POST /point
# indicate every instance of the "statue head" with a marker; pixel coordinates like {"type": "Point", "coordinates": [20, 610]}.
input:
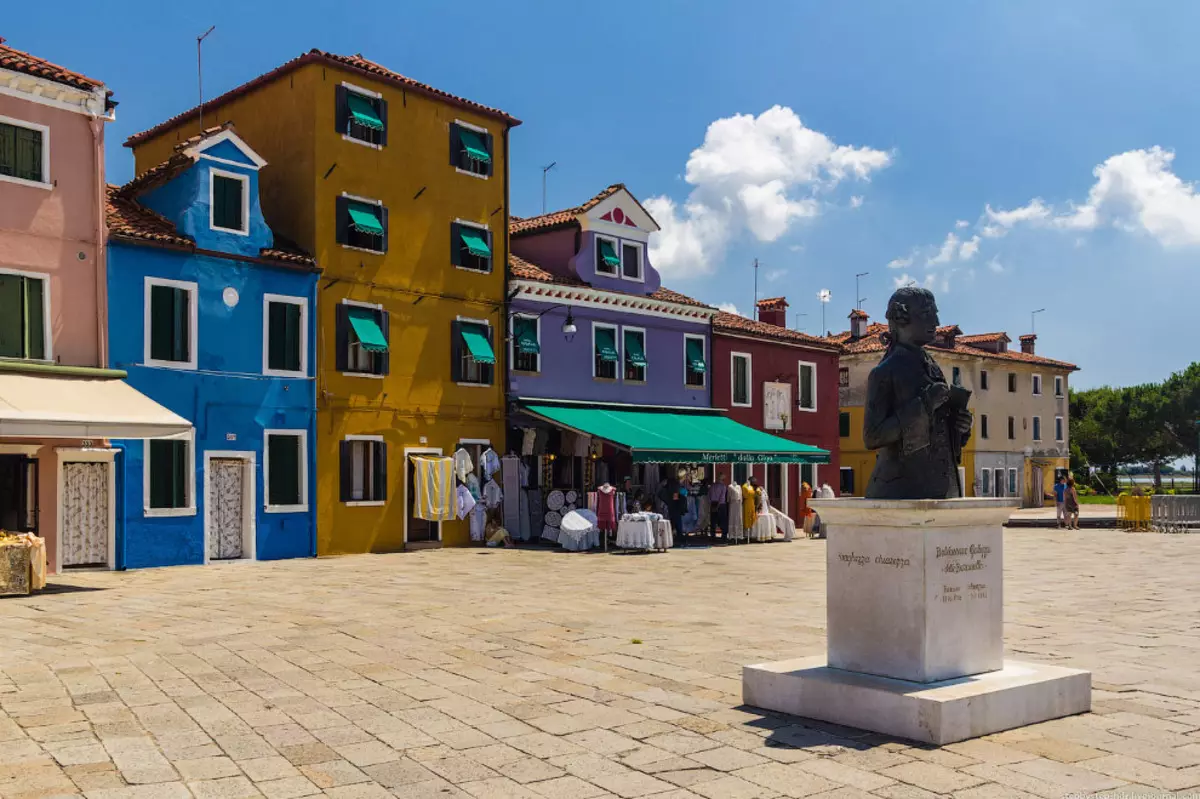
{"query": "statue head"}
{"type": "Point", "coordinates": [912, 316]}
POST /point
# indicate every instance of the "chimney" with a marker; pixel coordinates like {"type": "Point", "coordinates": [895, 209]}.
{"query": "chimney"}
{"type": "Point", "coordinates": [858, 323]}
{"type": "Point", "coordinates": [1029, 344]}
{"type": "Point", "coordinates": [773, 311]}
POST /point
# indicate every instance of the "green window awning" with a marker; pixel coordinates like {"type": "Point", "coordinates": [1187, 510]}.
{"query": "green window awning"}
{"type": "Point", "coordinates": [695, 355]}
{"type": "Point", "coordinates": [606, 344]}
{"type": "Point", "coordinates": [366, 327]}
{"type": "Point", "coordinates": [525, 336]}
{"type": "Point", "coordinates": [365, 218]}
{"type": "Point", "coordinates": [666, 436]}
{"type": "Point", "coordinates": [475, 337]}
{"type": "Point", "coordinates": [634, 352]}
{"type": "Point", "coordinates": [363, 111]}
{"type": "Point", "coordinates": [608, 252]}
{"type": "Point", "coordinates": [475, 241]}
{"type": "Point", "coordinates": [474, 145]}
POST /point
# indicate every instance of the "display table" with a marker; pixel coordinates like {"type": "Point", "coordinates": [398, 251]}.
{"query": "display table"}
{"type": "Point", "coordinates": [644, 531]}
{"type": "Point", "coordinates": [663, 538]}
{"type": "Point", "coordinates": [22, 564]}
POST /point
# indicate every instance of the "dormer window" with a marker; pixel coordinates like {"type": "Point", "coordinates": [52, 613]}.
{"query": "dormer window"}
{"type": "Point", "coordinates": [361, 115]}
{"type": "Point", "coordinates": [229, 209]}
{"type": "Point", "coordinates": [607, 261]}
{"type": "Point", "coordinates": [471, 149]}
{"type": "Point", "coordinates": [362, 224]}
{"type": "Point", "coordinates": [631, 261]}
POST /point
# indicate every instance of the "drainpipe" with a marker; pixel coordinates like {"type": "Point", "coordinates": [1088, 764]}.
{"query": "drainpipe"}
{"type": "Point", "coordinates": [119, 559]}
{"type": "Point", "coordinates": [96, 122]}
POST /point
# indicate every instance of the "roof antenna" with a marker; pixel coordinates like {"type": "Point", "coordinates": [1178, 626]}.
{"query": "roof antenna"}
{"type": "Point", "coordinates": [546, 169]}
{"type": "Point", "coordinates": [200, 75]}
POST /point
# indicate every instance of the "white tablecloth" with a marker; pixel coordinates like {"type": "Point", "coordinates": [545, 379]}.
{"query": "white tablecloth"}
{"type": "Point", "coordinates": [663, 538]}
{"type": "Point", "coordinates": [785, 525]}
{"type": "Point", "coordinates": [635, 534]}
{"type": "Point", "coordinates": [578, 531]}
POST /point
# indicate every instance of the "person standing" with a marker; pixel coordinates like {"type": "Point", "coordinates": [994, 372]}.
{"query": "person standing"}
{"type": "Point", "coordinates": [1072, 505]}
{"type": "Point", "coordinates": [806, 520]}
{"type": "Point", "coordinates": [749, 504]}
{"type": "Point", "coordinates": [1060, 501]}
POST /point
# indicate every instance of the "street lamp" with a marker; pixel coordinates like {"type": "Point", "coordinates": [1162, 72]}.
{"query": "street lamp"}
{"type": "Point", "coordinates": [568, 327]}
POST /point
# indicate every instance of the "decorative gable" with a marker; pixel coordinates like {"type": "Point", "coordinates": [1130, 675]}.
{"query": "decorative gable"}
{"type": "Point", "coordinates": [228, 148]}
{"type": "Point", "coordinates": [619, 214]}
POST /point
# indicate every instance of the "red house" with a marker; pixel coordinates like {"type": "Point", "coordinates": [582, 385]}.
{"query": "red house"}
{"type": "Point", "coordinates": [783, 382]}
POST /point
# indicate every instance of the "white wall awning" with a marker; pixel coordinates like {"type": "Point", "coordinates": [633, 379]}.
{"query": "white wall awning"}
{"type": "Point", "coordinates": [61, 406]}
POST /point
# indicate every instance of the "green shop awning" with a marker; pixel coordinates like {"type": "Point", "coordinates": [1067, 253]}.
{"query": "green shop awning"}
{"type": "Point", "coordinates": [695, 355]}
{"type": "Point", "coordinates": [365, 218]}
{"type": "Point", "coordinates": [525, 335]}
{"type": "Point", "coordinates": [475, 337]}
{"type": "Point", "coordinates": [363, 111]}
{"type": "Point", "coordinates": [474, 145]}
{"type": "Point", "coordinates": [606, 344]}
{"type": "Point", "coordinates": [609, 253]}
{"type": "Point", "coordinates": [366, 327]}
{"type": "Point", "coordinates": [475, 241]}
{"type": "Point", "coordinates": [663, 436]}
{"type": "Point", "coordinates": [634, 353]}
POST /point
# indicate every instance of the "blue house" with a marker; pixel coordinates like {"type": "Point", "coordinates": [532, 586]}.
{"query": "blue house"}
{"type": "Point", "coordinates": [213, 317]}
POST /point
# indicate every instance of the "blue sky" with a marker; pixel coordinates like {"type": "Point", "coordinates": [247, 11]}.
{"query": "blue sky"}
{"type": "Point", "coordinates": [896, 129]}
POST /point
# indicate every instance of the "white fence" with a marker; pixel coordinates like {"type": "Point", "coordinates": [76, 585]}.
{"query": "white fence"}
{"type": "Point", "coordinates": [1175, 514]}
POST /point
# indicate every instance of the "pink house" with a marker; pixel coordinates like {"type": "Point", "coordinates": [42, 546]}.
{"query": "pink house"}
{"type": "Point", "coordinates": [58, 404]}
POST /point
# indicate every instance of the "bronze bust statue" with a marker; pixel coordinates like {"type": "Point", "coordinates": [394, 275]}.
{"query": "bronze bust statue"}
{"type": "Point", "coordinates": [917, 423]}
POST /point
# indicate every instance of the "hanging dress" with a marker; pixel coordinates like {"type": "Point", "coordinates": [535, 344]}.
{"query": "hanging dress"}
{"type": "Point", "coordinates": [733, 496]}
{"type": "Point", "coordinates": [749, 506]}
{"type": "Point", "coordinates": [606, 507]}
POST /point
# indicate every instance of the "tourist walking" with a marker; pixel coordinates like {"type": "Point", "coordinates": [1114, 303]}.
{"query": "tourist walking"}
{"type": "Point", "coordinates": [1072, 505]}
{"type": "Point", "coordinates": [1060, 500]}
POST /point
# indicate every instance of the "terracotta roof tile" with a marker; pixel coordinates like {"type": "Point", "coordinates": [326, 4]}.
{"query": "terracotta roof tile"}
{"type": "Point", "coordinates": [555, 219]}
{"type": "Point", "coordinates": [872, 343]}
{"type": "Point", "coordinates": [773, 303]}
{"type": "Point", "coordinates": [858, 313]}
{"type": "Point", "coordinates": [355, 62]}
{"type": "Point", "coordinates": [520, 269]}
{"type": "Point", "coordinates": [20, 61]}
{"type": "Point", "coordinates": [984, 338]}
{"type": "Point", "coordinates": [1029, 337]}
{"type": "Point", "coordinates": [732, 323]}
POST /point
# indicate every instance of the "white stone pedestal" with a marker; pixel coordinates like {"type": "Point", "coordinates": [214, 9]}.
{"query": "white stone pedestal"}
{"type": "Point", "coordinates": [915, 627]}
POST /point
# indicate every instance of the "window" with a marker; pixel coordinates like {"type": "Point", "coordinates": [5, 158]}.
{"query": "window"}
{"type": "Point", "coordinates": [1037, 385]}
{"type": "Point", "coordinates": [170, 323]}
{"type": "Point", "coordinates": [1012, 428]}
{"type": "Point", "coordinates": [361, 224]}
{"type": "Point", "coordinates": [24, 152]}
{"type": "Point", "coordinates": [604, 351]}
{"type": "Point", "coordinates": [635, 354]}
{"type": "Point", "coordinates": [983, 426]}
{"type": "Point", "coordinates": [170, 477]}
{"type": "Point", "coordinates": [470, 149]}
{"type": "Point", "coordinates": [983, 380]}
{"type": "Point", "coordinates": [363, 334]}
{"type": "Point", "coordinates": [1059, 432]}
{"type": "Point", "coordinates": [631, 261]}
{"type": "Point", "coordinates": [695, 369]}
{"type": "Point", "coordinates": [1012, 382]}
{"type": "Point", "coordinates": [470, 247]}
{"type": "Point", "coordinates": [1037, 428]}
{"type": "Point", "coordinates": [526, 346]}
{"type": "Point", "coordinates": [24, 317]}
{"type": "Point", "coordinates": [998, 482]}
{"type": "Point", "coordinates": [285, 335]}
{"type": "Point", "coordinates": [956, 376]}
{"type": "Point", "coordinates": [741, 473]}
{"type": "Point", "coordinates": [361, 115]}
{"type": "Point", "coordinates": [808, 386]}
{"type": "Point", "coordinates": [741, 380]}
{"type": "Point", "coordinates": [1058, 386]}
{"type": "Point", "coordinates": [363, 465]}
{"type": "Point", "coordinates": [985, 482]}
{"type": "Point", "coordinates": [228, 207]}
{"type": "Point", "coordinates": [606, 256]}
{"type": "Point", "coordinates": [1012, 482]}
{"type": "Point", "coordinates": [285, 470]}
{"type": "Point", "coordinates": [846, 481]}
{"type": "Point", "coordinates": [473, 361]}
{"type": "Point", "coordinates": [844, 377]}
{"type": "Point", "coordinates": [843, 425]}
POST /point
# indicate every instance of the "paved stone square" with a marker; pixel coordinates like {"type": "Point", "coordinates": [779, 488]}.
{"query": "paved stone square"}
{"type": "Point", "coordinates": [545, 675]}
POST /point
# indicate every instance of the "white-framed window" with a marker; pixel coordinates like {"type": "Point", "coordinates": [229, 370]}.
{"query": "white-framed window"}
{"type": "Point", "coordinates": [228, 201]}
{"type": "Point", "coordinates": [25, 153]}
{"type": "Point", "coordinates": [363, 338]}
{"type": "Point", "coordinates": [1037, 428]}
{"type": "Point", "coordinates": [285, 471]}
{"type": "Point", "coordinates": [170, 322]}
{"type": "Point", "coordinates": [740, 372]}
{"type": "Point", "coordinates": [1037, 385]}
{"type": "Point", "coordinates": [633, 345]}
{"type": "Point", "coordinates": [524, 347]}
{"type": "Point", "coordinates": [608, 256]}
{"type": "Point", "coordinates": [361, 223]}
{"type": "Point", "coordinates": [1060, 433]}
{"type": "Point", "coordinates": [285, 335]}
{"type": "Point", "coordinates": [1058, 386]}
{"type": "Point", "coordinates": [169, 476]}
{"type": "Point", "coordinates": [606, 351]}
{"type": "Point", "coordinates": [470, 246]}
{"type": "Point", "coordinates": [25, 330]}
{"type": "Point", "coordinates": [361, 115]}
{"type": "Point", "coordinates": [473, 351]}
{"type": "Point", "coordinates": [471, 150]}
{"type": "Point", "coordinates": [632, 260]}
{"type": "Point", "coordinates": [1012, 482]}
{"type": "Point", "coordinates": [695, 361]}
{"type": "Point", "coordinates": [806, 396]}
{"type": "Point", "coordinates": [363, 468]}
{"type": "Point", "coordinates": [985, 482]}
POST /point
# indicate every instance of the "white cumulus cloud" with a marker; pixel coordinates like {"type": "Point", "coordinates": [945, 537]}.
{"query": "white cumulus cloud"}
{"type": "Point", "coordinates": [856, 201]}
{"type": "Point", "coordinates": [969, 249]}
{"type": "Point", "coordinates": [906, 279]}
{"type": "Point", "coordinates": [729, 307]}
{"type": "Point", "coordinates": [900, 263]}
{"type": "Point", "coordinates": [946, 252]}
{"type": "Point", "coordinates": [962, 223]}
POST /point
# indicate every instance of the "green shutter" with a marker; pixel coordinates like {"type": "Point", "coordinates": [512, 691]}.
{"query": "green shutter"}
{"type": "Point", "coordinates": [606, 344]}
{"type": "Point", "coordinates": [227, 202]}
{"type": "Point", "coordinates": [365, 324]}
{"type": "Point", "coordinates": [609, 253]}
{"type": "Point", "coordinates": [162, 326]}
{"type": "Point", "coordinates": [283, 457]}
{"type": "Point", "coordinates": [179, 468]}
{"type": "Point", "coordinates": [180, 333]}
{"type": "Point", "coordinates": [35, 319]}
{"type": "Point", "coordinates": [8, 149]}
{"type": "Point", "coordinates": [475, 241]}
{"type": "Point", "coordinates": [365, 218]}
{"type": "Point", "coordinates": [695, 355]}
{"type": "Point", "coordinates": [474, 146]}
{"type": "Point", "coordinates": [29, 155]}
{"type": "Point", "coordinates": [525, 333]}
{"type": "Point", "coordinates": [634, 353]}
{"type": "Point", "coordinates": [168, 473]}
{"type": "Point", "coordinates": [291, 336]}
{"type": "Point", "coordinates": [11, 328]}
{"type": "Point", "coordinates": [283, 337]}
{"type": "Point", "coordinates": [806, 387]}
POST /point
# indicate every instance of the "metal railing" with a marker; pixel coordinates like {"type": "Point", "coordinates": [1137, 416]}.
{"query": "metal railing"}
{"type": "Point", "coordinates": [1133, 513]}
{"type": "Point", "coordinates": [1174, 514]}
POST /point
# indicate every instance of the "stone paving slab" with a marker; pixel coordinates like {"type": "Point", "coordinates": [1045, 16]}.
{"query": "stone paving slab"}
{"type": "Point", "coordinates": [536, 674]}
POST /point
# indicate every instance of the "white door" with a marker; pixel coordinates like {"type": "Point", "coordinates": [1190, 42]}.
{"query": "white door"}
{"type": "Point", "coordinates": [226, 499]}
{"type": "Point", "coordinates": [83, 529]}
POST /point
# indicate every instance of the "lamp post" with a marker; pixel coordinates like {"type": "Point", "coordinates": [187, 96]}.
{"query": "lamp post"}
{"type": "Point", "coordinates": [546, 169]}
{"type": "Point", "coordinates": [858, 299]}
{"type": "Point", "coordinates": [1033, 320]}
{"type": "Point", "coordinates": [568, 327]}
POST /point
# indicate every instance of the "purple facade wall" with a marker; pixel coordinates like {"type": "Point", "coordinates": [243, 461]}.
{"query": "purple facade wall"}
{"type": "Point", "coordinates": [583, 266]}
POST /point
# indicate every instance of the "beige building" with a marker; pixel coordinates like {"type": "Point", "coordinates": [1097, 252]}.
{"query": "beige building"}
{"type": "Point", "coordinates": [1021, 437]}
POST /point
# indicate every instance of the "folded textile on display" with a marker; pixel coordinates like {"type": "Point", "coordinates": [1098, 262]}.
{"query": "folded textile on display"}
{"type": "Point", "coordinates": [575, 532]}
{"type": "Point", "coordinates": [570, 497]}
{"type": "Point", "coordinates": [553, 518]}
{"type": "Point", "coordinates": [550, 533]}
{"type": "Point", "coordinates": [435, 498]}
{"type": "Point", "coordinates": [784, 524]}
{"type": "Point", "coordinates": [555, 499]}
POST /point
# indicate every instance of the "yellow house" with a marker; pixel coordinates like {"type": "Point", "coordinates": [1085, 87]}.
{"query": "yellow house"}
{"type": "Point", "coordinates": [1019, 398]}
{"type": "Point", "coordinates": [400, 190]}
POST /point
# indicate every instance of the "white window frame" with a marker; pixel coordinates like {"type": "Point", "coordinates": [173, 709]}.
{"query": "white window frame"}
{"type": "Point", "coordinates": [286, 299]}
{"type": "Point", "coordinates": [161, 513]}
{"type": "Point", "coordinates": [193, 322]}
{"type": "Point", "coordinates": [364, 503]}
{"type": "Point", "coordinates": [301, 434]}
{"type": "Point", "coordinates": [491, 261]}
{"type": "Point", "coordinates": [645, 369]}
{"type": "Point", "coordinates": [1060, 429]}
{"type": "Point", "coordinates": [47, 327]}
{"type": "Point", "coordinates": [1059, 389]}
{"type": "Point", "coordinates": [799, 392]}
{"type": "Point", "coordinates": [703, 351]}
{"type": "Point", "coordinates": [512, 342]}
{"type": "Point", "coordinates": [620, 371]}
{"type": "Point", "coordinates": [374, 306]}
{"type": "Point", "coordinates": [596, 256]}
{"type": "Point", "coordinates": [733, 357]}
{"type": "Point", "coordinates": [1037, 428]}
{"type": "Point", "coordinates": [1012, 483]}
{"type": "Point", "coordinates": [1037, 385]}
{"type": "Point", "coordinates": [48, 182]}
{"type": "Point", "coordinates": [495, 366]}
{"type": "Point", "coordinates": [641, 248]}
{"type": "Point", "coordinates": [350, 87]}
{"type": "Point", "coordinates": [464, 124]}
{"type": "Point", "coordinates": [213, 174]}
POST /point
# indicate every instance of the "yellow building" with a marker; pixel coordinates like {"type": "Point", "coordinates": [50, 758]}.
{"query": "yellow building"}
{"type": "Point", "coordinates": [400, 190]}
{"type": "Point", "coordinates": [1019, 398]}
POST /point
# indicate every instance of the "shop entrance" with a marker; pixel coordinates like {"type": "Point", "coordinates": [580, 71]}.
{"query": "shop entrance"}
{"type": "Point", "coordinates": [420, 531]}
{"type": "Point", "coordinates": [18, 493]}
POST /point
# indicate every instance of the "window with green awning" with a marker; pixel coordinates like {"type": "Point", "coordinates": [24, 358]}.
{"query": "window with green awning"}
{"type": "Point", "coordinates": [606, 344]}
{"type": "Point", "coordinates": [361, 116]}
{"type": "Point", "coordinates": [473, 240]}
{"type": "Point", "coordinates": [363, 112]}
{"type": "Point", "coordinates": [695, 369]}
{"type": "Point", "coordinates": [635, 355]}
{"type": "Point", "coordinates": [525, 334]}
{"type": "Point", "coordinates": [474, 146]}
{"type": "Point", "coordinates": [606, 257]}
{"type": "Point", "coordinates": [476, 338]}
{"type": "Point", "coordinates": [365, 219]}
{"type": "Point", "coordinates": [365, 324]}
